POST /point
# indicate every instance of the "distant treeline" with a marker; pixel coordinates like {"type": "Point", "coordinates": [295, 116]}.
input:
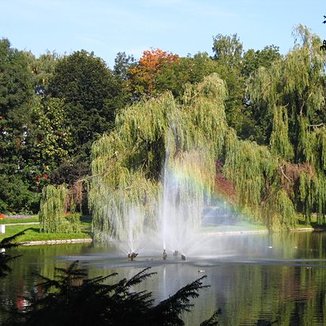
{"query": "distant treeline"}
{"type": "Point", "coordinates": [53, 107]}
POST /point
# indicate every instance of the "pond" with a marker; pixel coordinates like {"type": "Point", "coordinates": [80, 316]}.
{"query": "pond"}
{"type": "Point", "coordinates": [279, 277]}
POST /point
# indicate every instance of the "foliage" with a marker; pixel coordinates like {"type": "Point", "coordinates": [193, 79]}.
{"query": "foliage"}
{"type": "Point", "coordinates": [143, 74]}
{"type": "Point", "coordinates": [42, 68]}
{"type": "Point", "coordinates": [323, 46]}
{"type": "Point", "coordinates": [55, 204]}
{"type": "Point", "coordinates": [15, 83]}
{"type": "Point", "coordinates": [68, 171]}
{"type": "Point", "coordinates": [91, 95]}
{"type": "Point", "coordinates": [175, 76]}
{"type": "Point", "coordinates": [228, 53]}
{"type": "Point", "coordinates": [52, 108]}
{"type": "Point", "coordinates": [127, 162]}
{"type": "Point", "coordinates": [228, 49]}
{"type": "Point", "coordinates": [234, 66]}
{"type": "Point", "coordinates": [254, 172]}
{"type": "Point", "coordinates": [72, 298]}
{"type": "Point", "coordinates": [51, 139]}
{"type": "Point", "coordinates": [84, 79]}
{"type": "Point", "coordinates": [252, 59]}
{"type": "Point", "coordinates": [15, 195]}
{"type": "Point", "coordinates": [122, 65]}
{"type": "Point", "coordinates": [291, 92]}
{"type": "Point", "coordinates": [279, 141]}
{"type": "Point", "coordinates": [16, 93]}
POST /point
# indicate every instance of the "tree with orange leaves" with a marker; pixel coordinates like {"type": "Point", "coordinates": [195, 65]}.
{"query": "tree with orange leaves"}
{"type": "Point", "coordinates": [143, 74]}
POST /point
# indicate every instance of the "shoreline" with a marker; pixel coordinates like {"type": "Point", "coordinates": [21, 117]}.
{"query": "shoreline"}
{"type": "Point", "coordinates": [54, 242]}
{"type": "Point", "coordinates": [216, 233]}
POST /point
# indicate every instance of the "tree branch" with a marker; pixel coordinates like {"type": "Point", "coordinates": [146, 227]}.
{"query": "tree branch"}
{"type": "Point", "coordinates": [284, 175]}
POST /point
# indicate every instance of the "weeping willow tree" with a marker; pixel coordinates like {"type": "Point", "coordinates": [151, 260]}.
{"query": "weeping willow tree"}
{"type": "Point", "coordinates": [312, 186]}
{"type": "Point", "coordinates": [128, 162]}
{"type": "Point", "coordinates": [292, 89]}
{"type": "Point", "coordinates": [54, 206]}
{"type": "Point", "coordinates": [272, 182]}
{"type": "Point", "coordinates": [279, 140]}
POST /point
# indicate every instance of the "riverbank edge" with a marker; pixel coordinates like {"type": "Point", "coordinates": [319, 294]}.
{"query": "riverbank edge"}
{"type": "Point", "coordinates": [217, 233]}
{"type": "Point", "coordinates": [54, 242]}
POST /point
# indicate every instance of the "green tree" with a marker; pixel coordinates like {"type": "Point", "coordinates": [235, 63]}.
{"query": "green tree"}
{"type": "Point", "coordinates": [175, 76]}
{"type": "Point", "coordinates": [290, 93]}
{"type": "Point", "coordinates": [56, 203]}
{"type": "Point", "coordinates": [228, 53]}
{"type": "Point", "coordinates": [144, 73]}
{"type": "Point", "coordinates": [91, 94]}
{"type": "Point", "coordinates": [16, 98]}
{"type": "Point", "coordinates": [122, 65]}
{"type": "Point", "coordinates": [235, 66]}
{"type": "Point", "coordinates": [127, 163]}
{"type": "Point", "coordinates": [257, 126]}
{"type": "Point", "coordinates": [49, 142]}
{"type": "Point", "coordinates": [43, 69]}
{"type": "Point", "coordinates": [296, 83]}
{"type": "Point", "coordinates": [253, 59]}
{"type": "Point", "coordinates": [227, 49]}
{"type": "Point", "coordinates": [323, 46]}
{"type": "Point", "coordinates": [15, 193]}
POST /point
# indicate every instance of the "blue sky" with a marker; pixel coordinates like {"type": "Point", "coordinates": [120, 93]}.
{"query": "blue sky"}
{"type": "Point", "coordinates": [132, 26]}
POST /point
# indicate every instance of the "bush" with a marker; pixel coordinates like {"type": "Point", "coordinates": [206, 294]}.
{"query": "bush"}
{"type": "Point", "coordinates": [70, 223]}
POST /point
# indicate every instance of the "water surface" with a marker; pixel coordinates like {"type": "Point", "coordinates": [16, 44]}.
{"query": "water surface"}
{"type": "Point", "coordinates": [280, 277]}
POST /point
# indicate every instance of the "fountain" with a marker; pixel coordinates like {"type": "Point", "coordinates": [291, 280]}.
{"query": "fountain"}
{"type": "Point", "coordinates": [179, 214]}
{"type": "Point", "coordinates": [180, 208]}
{"type": "Point", "coordinates": [129, 204]}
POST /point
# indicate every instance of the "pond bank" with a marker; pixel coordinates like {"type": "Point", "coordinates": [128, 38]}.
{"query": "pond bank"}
{"type": "Point", "coordinates": [53, 242]}
{"type": "Point", "coordinates": [217, 233]}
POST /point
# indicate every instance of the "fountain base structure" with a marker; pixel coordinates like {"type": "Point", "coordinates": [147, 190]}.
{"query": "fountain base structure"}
{"type": "Point", "coordinates": [132, 256]}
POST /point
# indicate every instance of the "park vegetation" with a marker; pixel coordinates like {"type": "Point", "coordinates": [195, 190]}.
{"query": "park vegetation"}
{"type": "Point", "coordinates": [77, 137]}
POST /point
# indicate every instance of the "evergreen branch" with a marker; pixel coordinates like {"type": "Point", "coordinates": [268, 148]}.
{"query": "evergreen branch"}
{"type": "Point", "coordinates": [139, 277]}
{"type": "Point", "coordinates": [7, 243]}
{"type": "Point", "coordinates": [213, 320]}
{"type": "Point", "coordinates": [172, 307]}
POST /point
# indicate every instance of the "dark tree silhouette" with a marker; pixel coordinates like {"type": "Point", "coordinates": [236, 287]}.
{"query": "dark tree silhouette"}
{"type": "Point", "coordinates": [73, 299]}
{"type": "Point", "coordinates": [5, 258]}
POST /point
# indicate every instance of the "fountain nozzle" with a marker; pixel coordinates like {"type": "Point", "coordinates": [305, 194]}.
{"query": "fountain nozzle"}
{"type": "Point", "coordinates": [132, 256]}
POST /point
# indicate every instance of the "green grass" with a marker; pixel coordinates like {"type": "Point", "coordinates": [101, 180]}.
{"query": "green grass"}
{"type": "Point", "coordinates": [33, 233]}
{"type": "Point", "coordinates": [13, 220]}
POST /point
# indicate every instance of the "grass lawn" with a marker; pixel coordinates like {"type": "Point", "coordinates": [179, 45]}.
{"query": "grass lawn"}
{"type": "Point", "coordinates": [33, 231]}
{"type": "Point", "coordinates": [13, 220]}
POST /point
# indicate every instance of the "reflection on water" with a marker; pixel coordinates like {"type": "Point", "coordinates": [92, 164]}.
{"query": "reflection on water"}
{"type": "Point", "coordinates": [259, 277]}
